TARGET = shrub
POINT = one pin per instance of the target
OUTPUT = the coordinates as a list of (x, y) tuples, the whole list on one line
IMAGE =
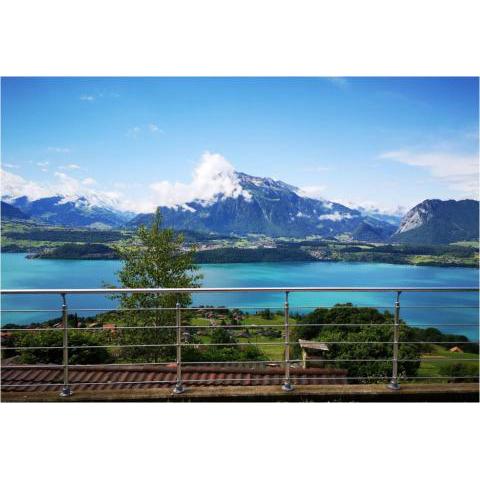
[(459, 370)]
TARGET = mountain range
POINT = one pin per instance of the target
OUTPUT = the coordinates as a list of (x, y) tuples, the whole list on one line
[(71, 212), (269, 207)]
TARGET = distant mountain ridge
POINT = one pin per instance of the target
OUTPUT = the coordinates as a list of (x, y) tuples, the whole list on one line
[(71, 212), (268, 207), (439, 222), (264, 206), (11, 212)]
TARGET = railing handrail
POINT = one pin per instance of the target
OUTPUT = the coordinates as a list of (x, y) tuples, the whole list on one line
[(54, 291), (286, 290)]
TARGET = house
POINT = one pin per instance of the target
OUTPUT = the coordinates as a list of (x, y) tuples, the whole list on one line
[(312, 352), (456, 349)]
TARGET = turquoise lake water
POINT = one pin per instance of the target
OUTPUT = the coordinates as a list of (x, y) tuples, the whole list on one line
[(416, 308)]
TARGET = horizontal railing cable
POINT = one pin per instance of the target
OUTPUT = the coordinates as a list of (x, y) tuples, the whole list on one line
[(257, 309), (258, 372), (115, 291), (244, 326), (239, 344), (100, 366)]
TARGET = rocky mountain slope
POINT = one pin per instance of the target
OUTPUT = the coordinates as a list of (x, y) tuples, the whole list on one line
[(439, 222)]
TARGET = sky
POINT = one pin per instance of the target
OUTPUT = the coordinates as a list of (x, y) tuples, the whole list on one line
[(141, 142)]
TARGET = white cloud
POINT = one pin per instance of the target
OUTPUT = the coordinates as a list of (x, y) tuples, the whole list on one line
[(367, 206), (213, 176), (70, 166), (10, 165), (59, 149), (68, 186), (312, 191), (335, 216), (153, 128), (43, 166), (16, 186), (87, 98), (89, 181), (13, 186), (459, 172)]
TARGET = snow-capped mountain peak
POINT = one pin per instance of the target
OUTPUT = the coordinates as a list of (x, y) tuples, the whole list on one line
[(72, 211), (265, 206)]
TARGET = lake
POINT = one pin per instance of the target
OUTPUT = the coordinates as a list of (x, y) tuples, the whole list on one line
[(416, 308)]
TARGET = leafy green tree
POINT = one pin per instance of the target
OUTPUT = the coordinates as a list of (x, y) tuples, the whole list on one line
[(222, 335), (266, 314), (370, 333), (158, 260)]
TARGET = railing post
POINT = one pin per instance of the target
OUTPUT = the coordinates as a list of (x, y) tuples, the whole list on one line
[(66, 391), (287, 386), (179, 388), (393, 385)]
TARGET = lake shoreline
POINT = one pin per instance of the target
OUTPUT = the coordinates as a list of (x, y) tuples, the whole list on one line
[(40, 256)]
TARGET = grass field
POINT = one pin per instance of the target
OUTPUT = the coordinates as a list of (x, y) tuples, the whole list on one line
[(430, 366), (432, 363), (273, 352)]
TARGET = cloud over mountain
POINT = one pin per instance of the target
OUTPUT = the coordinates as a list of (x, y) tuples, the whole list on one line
[(63, 185), (214, 176)]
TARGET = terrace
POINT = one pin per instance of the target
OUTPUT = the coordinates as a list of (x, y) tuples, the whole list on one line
[(181, 333)]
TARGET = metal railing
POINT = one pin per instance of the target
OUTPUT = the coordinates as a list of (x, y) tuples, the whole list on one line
[(287, 362)]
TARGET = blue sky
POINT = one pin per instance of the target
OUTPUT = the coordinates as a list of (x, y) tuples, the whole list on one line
[(386, 142)]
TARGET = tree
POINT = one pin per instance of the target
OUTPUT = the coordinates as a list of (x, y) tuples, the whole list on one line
[(159, 260), (266, 314), (369, 335)]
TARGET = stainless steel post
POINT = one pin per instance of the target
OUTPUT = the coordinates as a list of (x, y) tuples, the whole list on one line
[(179, 388), (393, 385), (287, 386), (66, 391)]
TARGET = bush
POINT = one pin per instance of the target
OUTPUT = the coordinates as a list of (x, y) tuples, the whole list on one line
[(460, 370), (222, 353), (266, 314), (51, 338)]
